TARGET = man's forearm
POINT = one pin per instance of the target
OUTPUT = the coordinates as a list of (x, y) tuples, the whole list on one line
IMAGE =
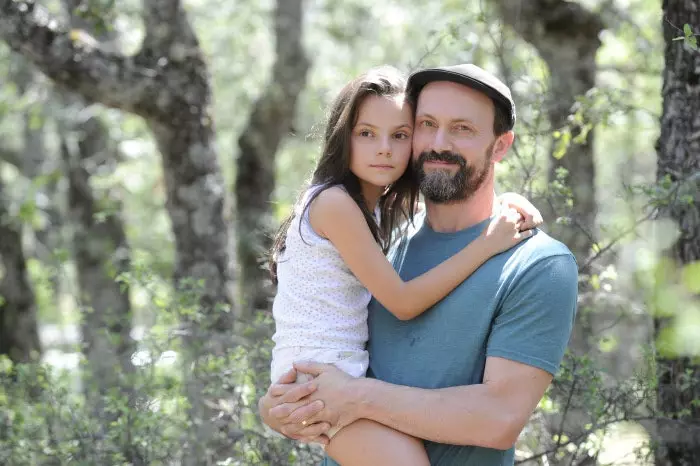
[(467, 415)]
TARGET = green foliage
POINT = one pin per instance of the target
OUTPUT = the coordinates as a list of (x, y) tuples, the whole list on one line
[(689, 37), (146, 420)]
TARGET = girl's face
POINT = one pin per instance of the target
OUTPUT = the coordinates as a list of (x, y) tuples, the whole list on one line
[(380, 146)]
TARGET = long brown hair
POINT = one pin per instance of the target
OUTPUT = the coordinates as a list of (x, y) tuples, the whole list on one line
[(397, 204)]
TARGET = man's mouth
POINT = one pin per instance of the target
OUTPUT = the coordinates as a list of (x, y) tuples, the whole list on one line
[(438, 162)]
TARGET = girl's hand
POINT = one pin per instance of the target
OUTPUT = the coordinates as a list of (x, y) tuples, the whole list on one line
[(531, 216), (504, 231)]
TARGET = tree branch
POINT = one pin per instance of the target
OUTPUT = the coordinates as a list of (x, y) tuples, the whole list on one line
[(75, 60), (270, 121)]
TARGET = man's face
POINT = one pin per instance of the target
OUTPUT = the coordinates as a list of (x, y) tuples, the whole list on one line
[(454, 147)]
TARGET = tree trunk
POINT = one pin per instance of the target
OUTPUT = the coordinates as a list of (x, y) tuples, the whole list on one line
[(101, 254), (270, 121), (39, 166), (99, 242), (565, 35), (19, 337), (678, 432), (166, 83)]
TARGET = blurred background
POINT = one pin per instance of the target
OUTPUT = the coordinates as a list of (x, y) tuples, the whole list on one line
[(149, 149)]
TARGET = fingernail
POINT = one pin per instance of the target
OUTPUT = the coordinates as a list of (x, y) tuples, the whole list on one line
[(318, 404)]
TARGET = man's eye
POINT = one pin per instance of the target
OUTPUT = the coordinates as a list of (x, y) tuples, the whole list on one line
[(427, 124)]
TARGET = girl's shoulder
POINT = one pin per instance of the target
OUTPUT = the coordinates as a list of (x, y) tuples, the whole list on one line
[(333, 199)]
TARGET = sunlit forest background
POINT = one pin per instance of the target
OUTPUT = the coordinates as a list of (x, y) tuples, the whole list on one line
[(148, 150)]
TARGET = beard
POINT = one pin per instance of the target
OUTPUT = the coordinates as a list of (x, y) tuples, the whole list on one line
[(442, 185)]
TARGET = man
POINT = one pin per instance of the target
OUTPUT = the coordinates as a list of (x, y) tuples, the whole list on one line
[(467, 374)]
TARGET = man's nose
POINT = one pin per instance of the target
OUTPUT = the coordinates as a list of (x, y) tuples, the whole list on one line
[(441, 142)]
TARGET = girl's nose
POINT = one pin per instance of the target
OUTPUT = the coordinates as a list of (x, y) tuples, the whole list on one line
[(385, 148)]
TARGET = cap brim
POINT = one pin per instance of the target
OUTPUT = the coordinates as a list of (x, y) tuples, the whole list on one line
[(418, 80)]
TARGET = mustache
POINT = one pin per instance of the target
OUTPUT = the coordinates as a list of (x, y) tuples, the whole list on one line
[(445, 156)]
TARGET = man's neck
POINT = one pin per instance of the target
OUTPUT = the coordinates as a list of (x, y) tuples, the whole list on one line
[(448, 218)]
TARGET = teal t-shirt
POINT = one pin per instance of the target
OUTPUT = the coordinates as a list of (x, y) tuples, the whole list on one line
[(519, 305)]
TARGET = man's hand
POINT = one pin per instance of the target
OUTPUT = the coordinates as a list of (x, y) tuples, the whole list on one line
[(531, 216), (286, 405), (336, 389)]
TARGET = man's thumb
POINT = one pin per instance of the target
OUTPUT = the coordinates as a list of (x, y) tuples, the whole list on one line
[(288, 377)]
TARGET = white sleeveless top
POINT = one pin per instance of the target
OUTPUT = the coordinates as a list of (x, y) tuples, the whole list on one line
[(319, 302)]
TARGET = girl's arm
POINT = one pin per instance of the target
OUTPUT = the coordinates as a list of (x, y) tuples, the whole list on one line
[(335, 216)]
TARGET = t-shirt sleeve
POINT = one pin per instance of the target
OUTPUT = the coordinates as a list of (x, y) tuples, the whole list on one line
[(534, 323)]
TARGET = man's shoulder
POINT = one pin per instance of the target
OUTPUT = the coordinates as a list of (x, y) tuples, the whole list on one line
[(541, 247), (527, 262)]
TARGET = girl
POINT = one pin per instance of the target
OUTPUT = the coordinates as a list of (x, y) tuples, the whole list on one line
[(326, 275)]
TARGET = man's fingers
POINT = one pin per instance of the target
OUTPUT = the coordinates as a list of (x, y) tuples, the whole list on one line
[(277, 389), (282, 411), (295, 413), (299, 392), (322, 439), (312, 433), (290, 393), (319, 417), (288, 377), (283, 384), (305, 413)]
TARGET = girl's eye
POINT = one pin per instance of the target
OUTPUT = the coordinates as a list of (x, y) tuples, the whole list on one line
[(427, 123), (365, 133), (402, 136), (463, 128)]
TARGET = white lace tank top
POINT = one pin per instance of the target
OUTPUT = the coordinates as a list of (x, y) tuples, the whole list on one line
[(319, 302)]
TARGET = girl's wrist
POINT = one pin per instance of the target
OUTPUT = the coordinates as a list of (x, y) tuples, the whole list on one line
[(484, 247)]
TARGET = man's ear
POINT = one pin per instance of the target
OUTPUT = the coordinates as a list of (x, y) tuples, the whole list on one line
[(503, 143)]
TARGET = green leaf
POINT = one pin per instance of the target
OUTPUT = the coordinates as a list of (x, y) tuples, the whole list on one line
[(562, 145), (27, 211), (687, 30), (692, 42), (608, 344), (691, 276)]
